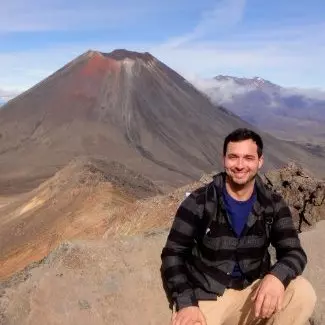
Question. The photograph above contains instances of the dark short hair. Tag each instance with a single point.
(241, 135)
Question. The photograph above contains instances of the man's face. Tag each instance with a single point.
(241, 161)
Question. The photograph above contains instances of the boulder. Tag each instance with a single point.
(304, 194)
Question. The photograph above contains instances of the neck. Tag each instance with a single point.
(240, 192)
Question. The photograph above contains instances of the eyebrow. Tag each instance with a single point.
(246, 156)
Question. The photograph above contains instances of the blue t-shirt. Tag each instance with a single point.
(238, 212)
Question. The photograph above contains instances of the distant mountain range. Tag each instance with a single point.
(289, 113)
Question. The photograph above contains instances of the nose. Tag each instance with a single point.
(240, 163)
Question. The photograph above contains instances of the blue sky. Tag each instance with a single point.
(280, 40)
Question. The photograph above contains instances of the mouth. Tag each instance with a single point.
(240, 174)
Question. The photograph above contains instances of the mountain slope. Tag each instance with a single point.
(123, 106)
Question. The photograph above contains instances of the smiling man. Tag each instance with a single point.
(216, 263)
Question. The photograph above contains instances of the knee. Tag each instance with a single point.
(303, 293)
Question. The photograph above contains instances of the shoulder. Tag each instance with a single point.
(193, 204)
(199, 194)
(198, 198)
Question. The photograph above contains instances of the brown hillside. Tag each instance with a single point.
(71, 204)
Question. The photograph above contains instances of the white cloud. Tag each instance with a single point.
(313, 93)
(6, 95)
(220, 91)
(226, 14)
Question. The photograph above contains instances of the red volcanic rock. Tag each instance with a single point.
(98, 65)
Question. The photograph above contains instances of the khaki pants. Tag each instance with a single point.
(236, 307)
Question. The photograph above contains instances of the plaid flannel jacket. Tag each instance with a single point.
(197, 263)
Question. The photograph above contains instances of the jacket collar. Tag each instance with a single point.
(263, 202)
(263, 194)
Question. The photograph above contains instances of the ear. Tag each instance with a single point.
(260, 162)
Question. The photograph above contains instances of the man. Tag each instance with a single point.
(216, 263)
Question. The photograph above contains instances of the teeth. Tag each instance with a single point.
(240, 174)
